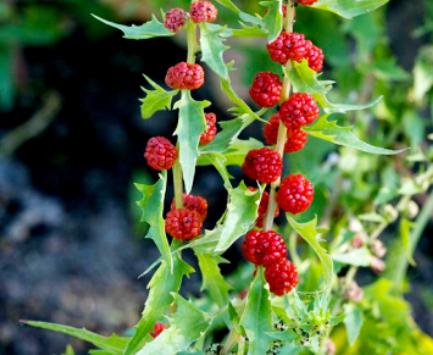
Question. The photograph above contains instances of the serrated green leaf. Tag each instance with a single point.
(240, 217)
(212, 38)
(273, 20)
(186, 326)
(349, 8)
(150, 29)
(155, 100)
(353, 320)
(237, 151)
(308, 231)
(219, 162)
(257, 316)
(152, 207)
(330, 131)
(190, 126)
(113, 344)
(229, 5)
(213, 281)
(356, 257)
(161, 287)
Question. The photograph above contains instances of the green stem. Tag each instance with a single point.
(191, 41)
(178, 185)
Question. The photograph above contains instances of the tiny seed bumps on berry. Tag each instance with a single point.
(194, 203)
(264, 165)
(185, 76)
(203, 11)
(288, 46)
(314, 57)
(296, 194)
(299, 110)
(175, 19)
(211, 130)
(266, 89)
(264, 247)
(281, 276)
(183, 224)
(263, 208)
(160, 153)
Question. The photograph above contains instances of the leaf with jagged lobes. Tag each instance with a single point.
(156, 99)
(151, 29)
(152, 208)
(349, 8)
(161, 288)
(186, 326)
(273, 20)
(190, 126)
(257, 316)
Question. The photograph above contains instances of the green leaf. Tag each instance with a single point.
(405, 232)
(155, 100)
(353, 319)
(186, 326)
(308, 231)
(212, 39)
(423, 76)
(190, 126)
(162, 285)
(273, 20)
(349, 8)
(7, 84)
(152, 207)
(219, 162)
(237, 151)
(240, 217)
(257, 316)
(330, 131)
(150, 29)
(229, 5)
(113, 344)
(213, 281)
(356, 257)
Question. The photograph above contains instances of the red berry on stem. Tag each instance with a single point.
(264, 247)
(175, 19)
(296, 194)
(266, 89)
(263, 208)
(281, 276)
(203, 11)
(158, 328)
(160, 153)
(183, 224)
(193, 203)
(299, 110)
(314, 57)
(288, 46)
(185, 76)
(264, 165)
(211, 130)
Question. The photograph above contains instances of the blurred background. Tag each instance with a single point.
(72, 139)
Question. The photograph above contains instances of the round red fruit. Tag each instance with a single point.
(266, 89)
(185, 76)
(183, 224)
(288, 46)
(193, 203)
(203, 11)
(264, 165)
(211, 130)
(299, 110)
(158, 328)
(175, 19)
(160, 153)
(296, 194)
(281, 276)
(314, 57)
(264, 247)
(306, 2)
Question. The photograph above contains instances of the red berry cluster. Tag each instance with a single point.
(293, 46)
(200, 11)
(158, 328)
(211, 130)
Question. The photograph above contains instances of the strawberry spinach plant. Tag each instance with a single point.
(297, 293)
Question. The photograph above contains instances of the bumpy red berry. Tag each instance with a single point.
(211, 130)
(203, 11)
(306, 2)
(194, 203)
(281, 276)
(264, 165)
(185, 76)
(288, 46)
(183, 224)
(296, 138)
(175, 19)
(299, 110)
(296, 194)
(263, 208)
(266, 89)
(264, 247)
(158, 328)
(160, 153)
(314, 57)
